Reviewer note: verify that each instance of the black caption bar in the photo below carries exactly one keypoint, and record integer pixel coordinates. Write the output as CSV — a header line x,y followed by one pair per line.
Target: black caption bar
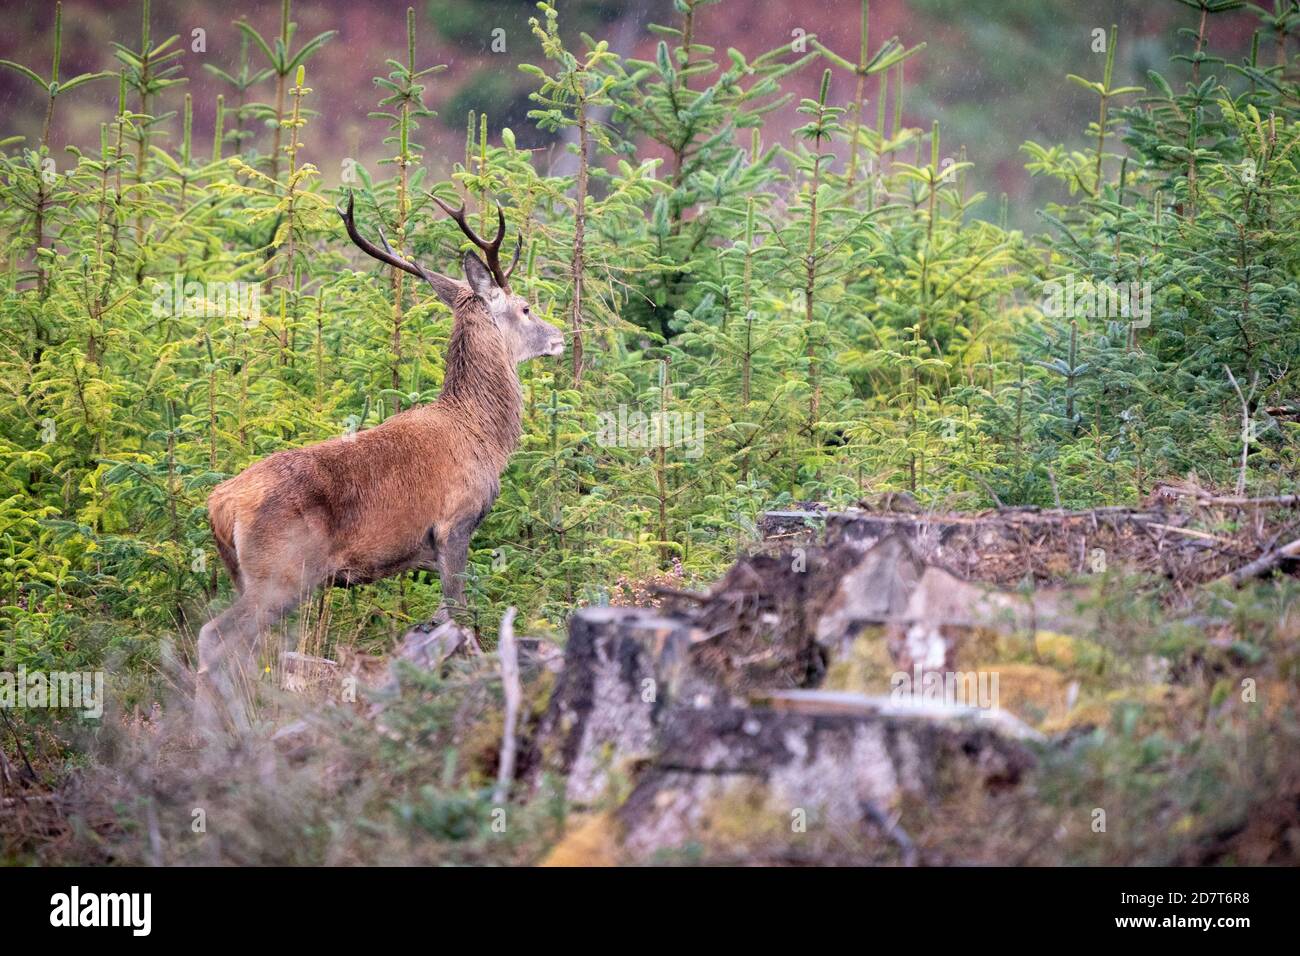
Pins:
x,y
337,906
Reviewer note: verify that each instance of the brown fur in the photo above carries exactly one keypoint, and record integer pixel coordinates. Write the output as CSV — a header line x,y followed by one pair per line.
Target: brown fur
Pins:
x,y
405,494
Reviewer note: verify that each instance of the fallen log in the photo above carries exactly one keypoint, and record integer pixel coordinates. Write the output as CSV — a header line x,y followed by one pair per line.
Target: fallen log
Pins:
x,y
1264,563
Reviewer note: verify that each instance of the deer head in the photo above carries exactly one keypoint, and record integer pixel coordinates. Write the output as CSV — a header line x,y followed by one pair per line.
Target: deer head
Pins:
x,y
524,335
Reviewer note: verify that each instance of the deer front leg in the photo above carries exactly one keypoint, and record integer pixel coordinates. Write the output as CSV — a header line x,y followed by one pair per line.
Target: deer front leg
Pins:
x,y
453,553
450,552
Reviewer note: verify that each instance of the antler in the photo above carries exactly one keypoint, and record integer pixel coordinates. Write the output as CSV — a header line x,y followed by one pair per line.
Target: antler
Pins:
x,y
491,250
385,254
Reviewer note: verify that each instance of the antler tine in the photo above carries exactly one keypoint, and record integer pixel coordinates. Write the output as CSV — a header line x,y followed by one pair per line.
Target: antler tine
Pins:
x,y
385,254
491,250
501,227
519,247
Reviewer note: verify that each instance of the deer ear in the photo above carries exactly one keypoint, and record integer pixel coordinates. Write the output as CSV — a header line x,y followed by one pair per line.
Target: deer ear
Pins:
x,y
478,276
447,289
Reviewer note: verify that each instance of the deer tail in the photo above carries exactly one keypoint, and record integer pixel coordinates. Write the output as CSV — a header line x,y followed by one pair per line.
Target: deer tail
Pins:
x,y
221,516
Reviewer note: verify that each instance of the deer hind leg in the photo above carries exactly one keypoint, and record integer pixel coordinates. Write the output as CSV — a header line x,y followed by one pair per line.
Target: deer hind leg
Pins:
x,y
214,683
226,679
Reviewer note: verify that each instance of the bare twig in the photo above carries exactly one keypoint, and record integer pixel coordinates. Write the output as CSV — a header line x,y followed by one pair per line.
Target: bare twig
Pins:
x,y
6,775
1190,532
22,752
992,494
155,833
25,799
892,830
1245,426
1056,492
508,653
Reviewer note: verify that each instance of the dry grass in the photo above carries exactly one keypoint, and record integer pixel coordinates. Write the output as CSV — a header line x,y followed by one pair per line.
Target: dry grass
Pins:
x,y
1188,767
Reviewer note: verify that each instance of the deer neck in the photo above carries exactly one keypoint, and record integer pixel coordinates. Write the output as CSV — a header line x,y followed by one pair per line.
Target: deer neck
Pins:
x,y
481,384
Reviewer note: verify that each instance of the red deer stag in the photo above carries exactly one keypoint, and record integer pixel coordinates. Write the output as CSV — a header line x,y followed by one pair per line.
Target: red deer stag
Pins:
x,y
405,494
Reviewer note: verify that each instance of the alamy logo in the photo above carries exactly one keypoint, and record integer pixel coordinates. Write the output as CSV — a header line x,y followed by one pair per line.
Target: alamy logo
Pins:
x,y
977,689
37,689
103,909
1098,300
197,300
635,429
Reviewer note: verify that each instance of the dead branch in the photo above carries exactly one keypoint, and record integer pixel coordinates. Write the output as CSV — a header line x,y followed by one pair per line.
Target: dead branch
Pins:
x,y
508,653
892,830
6,775
1190,532
663,590
1230,501
1263,564
18,743
27,799
1245,426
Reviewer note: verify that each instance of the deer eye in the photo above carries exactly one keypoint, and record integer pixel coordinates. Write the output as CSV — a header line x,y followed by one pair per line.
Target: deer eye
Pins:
x,y
525,310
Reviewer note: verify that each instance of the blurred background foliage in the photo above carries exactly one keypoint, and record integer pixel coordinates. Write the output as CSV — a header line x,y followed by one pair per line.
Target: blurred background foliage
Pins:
x,y
988,76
